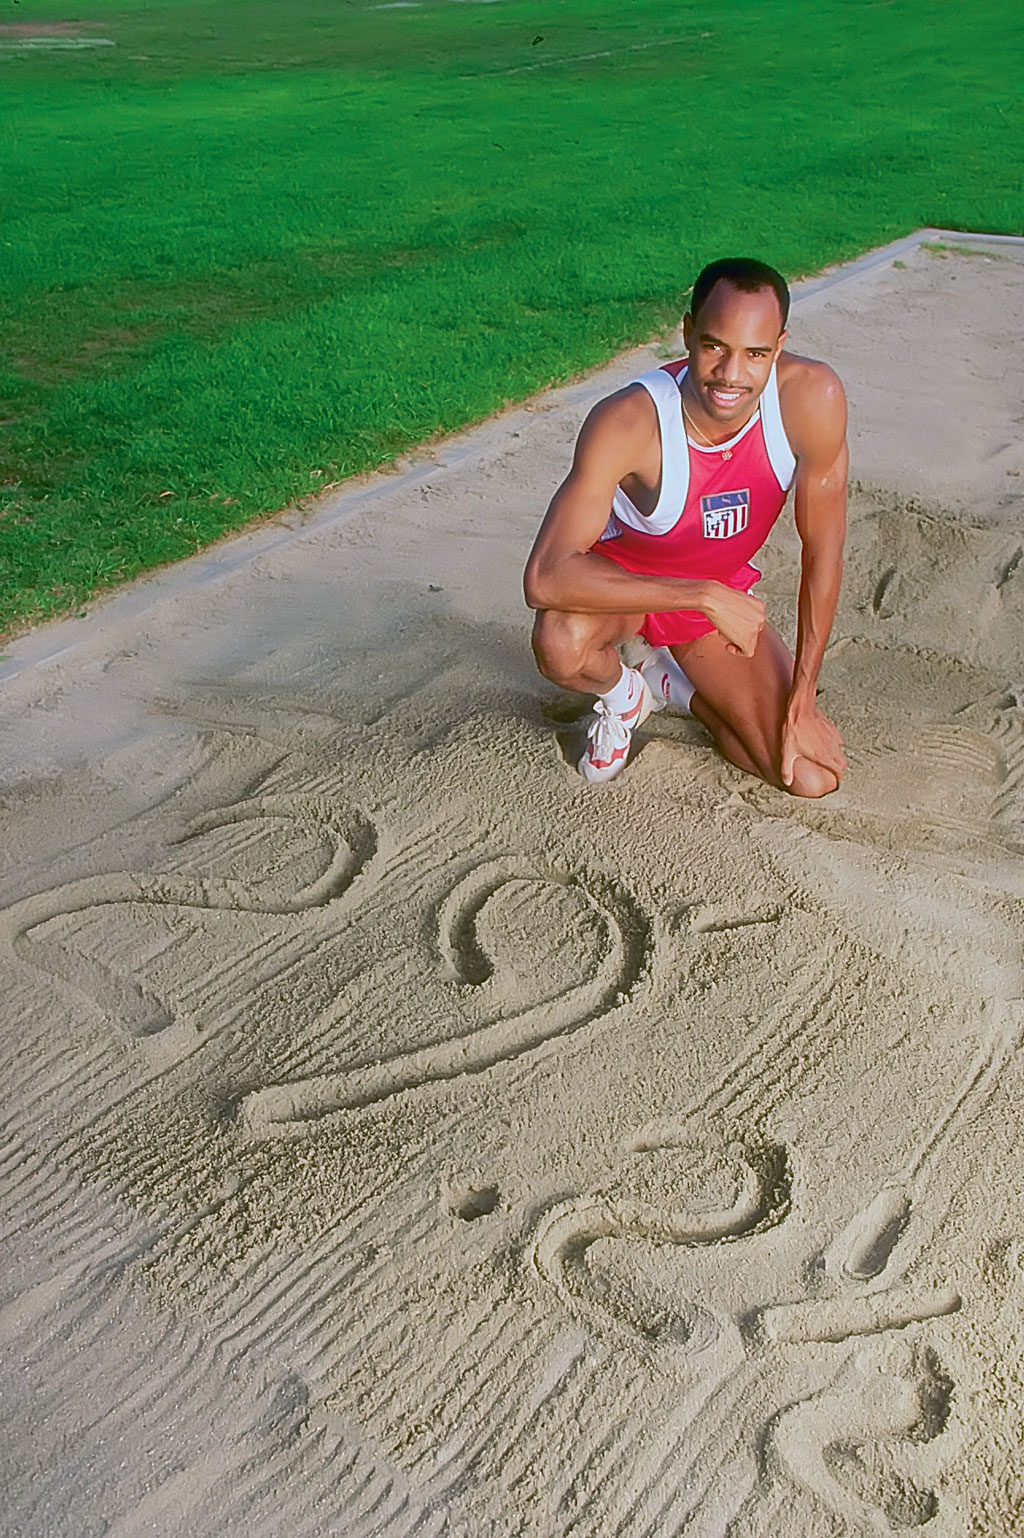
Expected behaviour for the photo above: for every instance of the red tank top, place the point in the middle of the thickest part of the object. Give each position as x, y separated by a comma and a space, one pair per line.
716, 507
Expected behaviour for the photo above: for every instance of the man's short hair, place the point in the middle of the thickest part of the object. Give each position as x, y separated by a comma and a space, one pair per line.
744, 273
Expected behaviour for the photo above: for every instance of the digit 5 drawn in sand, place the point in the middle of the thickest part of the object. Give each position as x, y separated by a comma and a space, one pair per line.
474, 926
347, 843
558, 1252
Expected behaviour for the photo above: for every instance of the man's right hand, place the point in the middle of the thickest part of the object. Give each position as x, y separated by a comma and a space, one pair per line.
738, 618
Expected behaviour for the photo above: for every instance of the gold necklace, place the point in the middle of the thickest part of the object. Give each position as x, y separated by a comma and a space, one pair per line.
725, 453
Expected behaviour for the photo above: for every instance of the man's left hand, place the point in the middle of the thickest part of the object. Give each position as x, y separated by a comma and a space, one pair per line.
808, 733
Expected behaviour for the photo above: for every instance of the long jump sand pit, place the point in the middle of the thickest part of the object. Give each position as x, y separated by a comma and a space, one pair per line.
402, 1137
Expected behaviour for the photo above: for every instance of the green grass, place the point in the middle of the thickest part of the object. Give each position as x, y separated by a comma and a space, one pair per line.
256, 247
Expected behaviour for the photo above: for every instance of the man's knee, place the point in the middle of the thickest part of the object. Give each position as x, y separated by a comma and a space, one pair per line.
562, 644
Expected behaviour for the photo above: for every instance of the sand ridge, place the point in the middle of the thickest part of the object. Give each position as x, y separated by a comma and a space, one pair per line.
404, 1138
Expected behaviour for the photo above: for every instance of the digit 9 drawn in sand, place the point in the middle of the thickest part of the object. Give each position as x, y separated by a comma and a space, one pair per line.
503, 933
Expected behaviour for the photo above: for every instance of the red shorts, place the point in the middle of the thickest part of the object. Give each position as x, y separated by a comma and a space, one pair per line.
675, 627
678, 626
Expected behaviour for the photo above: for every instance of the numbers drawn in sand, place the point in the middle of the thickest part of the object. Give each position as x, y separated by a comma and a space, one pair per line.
505, 995
851, 1446
504, 931
684, 1262
761, 1186
522, 953
757, 1179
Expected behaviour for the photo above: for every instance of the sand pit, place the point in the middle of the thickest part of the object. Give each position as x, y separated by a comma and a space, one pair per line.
401, 1137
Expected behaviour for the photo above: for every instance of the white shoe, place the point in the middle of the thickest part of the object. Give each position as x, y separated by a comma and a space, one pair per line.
609, 735
667, 681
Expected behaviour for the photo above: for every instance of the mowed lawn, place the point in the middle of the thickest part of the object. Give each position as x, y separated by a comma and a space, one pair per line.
252, 247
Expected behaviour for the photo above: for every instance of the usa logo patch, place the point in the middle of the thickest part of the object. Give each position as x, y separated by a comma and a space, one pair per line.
725, 514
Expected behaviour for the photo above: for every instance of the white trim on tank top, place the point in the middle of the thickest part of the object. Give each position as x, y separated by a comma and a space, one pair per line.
675, 465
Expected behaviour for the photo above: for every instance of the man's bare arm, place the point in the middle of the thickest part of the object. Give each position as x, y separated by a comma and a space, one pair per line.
816, 423
619, 435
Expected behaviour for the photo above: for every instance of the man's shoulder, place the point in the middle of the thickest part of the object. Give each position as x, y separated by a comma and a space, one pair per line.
812, 402
618, 435
808, 373
806, 381
630, 410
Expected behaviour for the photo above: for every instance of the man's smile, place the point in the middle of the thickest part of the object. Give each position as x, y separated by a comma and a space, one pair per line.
724, 395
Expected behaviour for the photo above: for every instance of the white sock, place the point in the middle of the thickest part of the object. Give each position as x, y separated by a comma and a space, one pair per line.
621, 697
667, 680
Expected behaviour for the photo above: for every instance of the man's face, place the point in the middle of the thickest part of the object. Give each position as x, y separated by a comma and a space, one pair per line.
732, 344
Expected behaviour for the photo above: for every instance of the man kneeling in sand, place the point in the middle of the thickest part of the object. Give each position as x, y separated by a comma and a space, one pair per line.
695, 461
